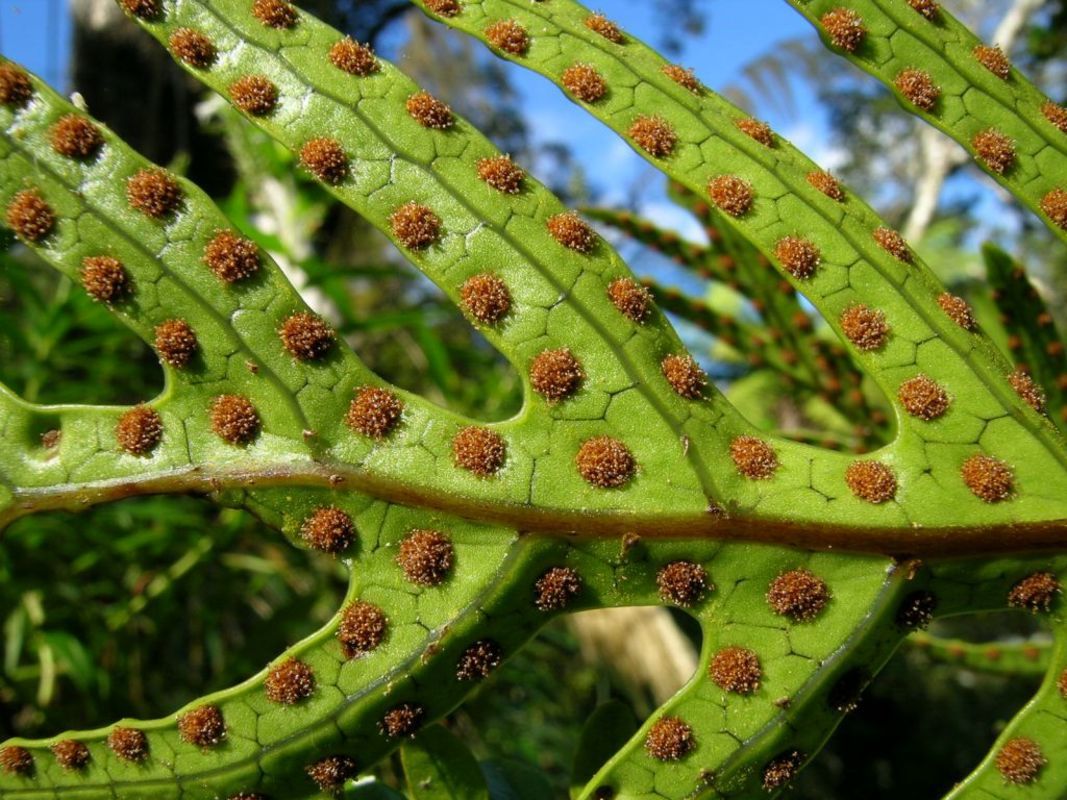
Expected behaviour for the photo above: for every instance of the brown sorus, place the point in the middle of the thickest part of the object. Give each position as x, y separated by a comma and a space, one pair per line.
15, 760
479, 660
633, 300
274, 13
731, 194
15, 86
29, 216
289, 682
685, 78
845, 28
918, 87
994, 60
354, 57
361, 629
202, 726
374, 412
827, 184
306, 336
139, 430
736, 669
129, 744
669, 739
70, 754
325, 158
916, 611
584, 82
403, 720
1036, 592
430, 112
145, 9
74, 136
479, 450
865, 327
330, 773
328, 529
572, 232
872, 481
234, 419
994, 149
426, 557
153, 192
799, 256
486, 298
176, 342
556, 588
1054, 204
556, 374
231, 257
415, 225
254, 94
193, 47
782, 770
1020, 760
509, 36
1027, 388
598, 23
683, 583
502, 174
798, 594
653, 134
753, 457
1056, 114
444, 8
105, 278
928, 8
893, 243
988, 478
923, 397
684, 375
958, 310
605, 462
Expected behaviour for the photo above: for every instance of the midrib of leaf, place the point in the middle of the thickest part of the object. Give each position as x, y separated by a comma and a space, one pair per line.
988, 366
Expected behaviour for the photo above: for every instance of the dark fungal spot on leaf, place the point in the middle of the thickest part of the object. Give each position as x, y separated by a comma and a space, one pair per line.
330, 773
918, 87
556, 588
289, 682
1020, 760
736, 669
325, 158
71, 755
753, 457
15, 86
361, 629
328, 529
556, 374
426, 557
430, 112
923, 397
669, 739
827, 184
15, 760
799, 256
74, 136
872, 481
958, 310
865, 327
683, 583
274, 13
782, 770
105, 279
154, 193
479, 451
231, 257
29, 216
129, 744
502, 174
509, 36
633, 300
374, 412
1054, 204
254, 94
685, 78
605, 462
415, 225
479, 660
731, 194
653, 134
202, 726
571, 231
306, 336
684, 375
1035, 593
486, 298
354, 57
193, 47
994, 149
994, 60
145, 9
584, 82
845, 28
234, 419
1027, 389
916, 611
798, 594
176, 342
139, 430
403, 720
988, 478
